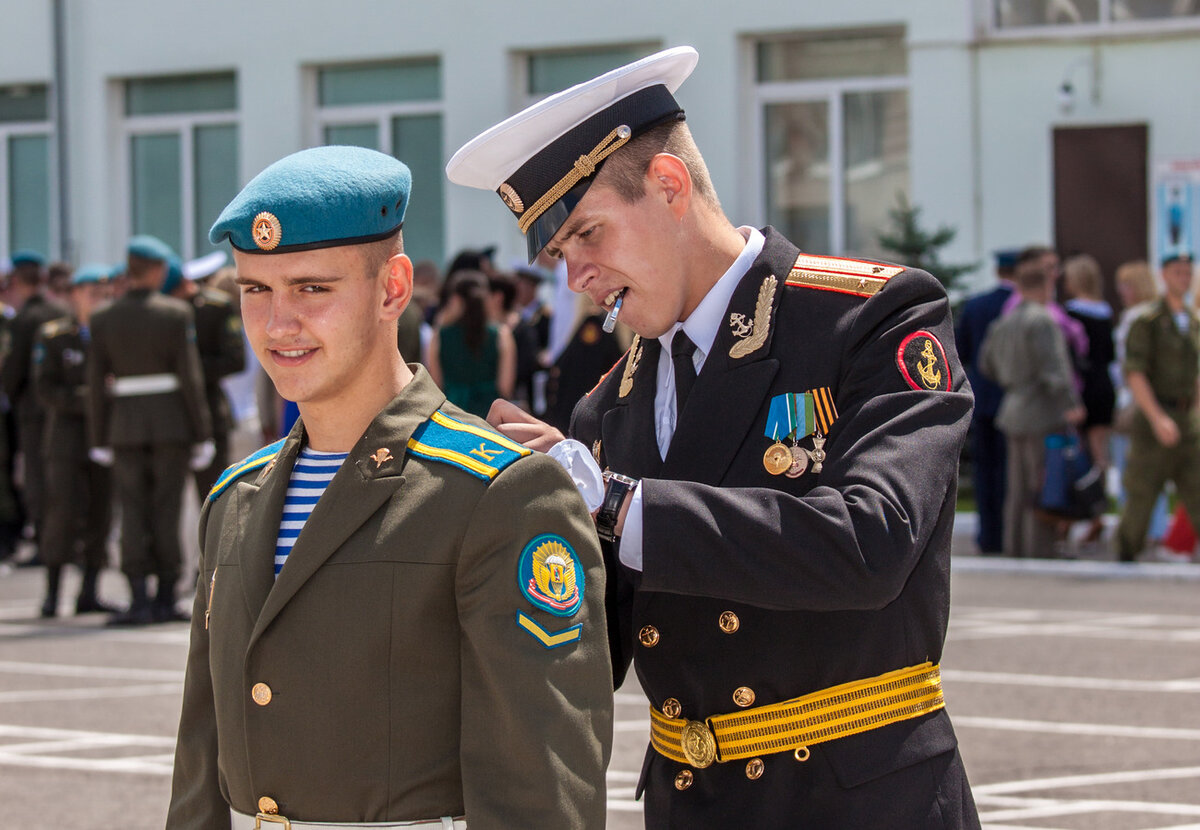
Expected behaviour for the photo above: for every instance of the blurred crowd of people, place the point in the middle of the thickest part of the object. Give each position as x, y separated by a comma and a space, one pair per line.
481, 331
1048, 355
485, 332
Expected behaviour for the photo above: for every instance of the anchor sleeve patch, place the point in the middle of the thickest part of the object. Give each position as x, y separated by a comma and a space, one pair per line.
922, 361
551, 576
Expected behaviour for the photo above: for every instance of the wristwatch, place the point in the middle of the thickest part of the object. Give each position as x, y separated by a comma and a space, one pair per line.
616, 488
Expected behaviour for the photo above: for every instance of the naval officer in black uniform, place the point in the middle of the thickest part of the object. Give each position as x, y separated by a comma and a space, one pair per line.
780, 447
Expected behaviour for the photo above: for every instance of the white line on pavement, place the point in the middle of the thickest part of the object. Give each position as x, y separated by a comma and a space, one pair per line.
1090, 780
1190, 685
1095, 729
66, 670
51, 734
1081, 806
91, 693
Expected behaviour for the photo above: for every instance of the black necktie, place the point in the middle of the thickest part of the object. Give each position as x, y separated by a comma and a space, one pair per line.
682, 348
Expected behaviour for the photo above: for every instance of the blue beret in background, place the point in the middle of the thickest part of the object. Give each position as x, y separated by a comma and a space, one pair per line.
91, 273
317, 198
27, 258
150, 247
1007, 258
174, 275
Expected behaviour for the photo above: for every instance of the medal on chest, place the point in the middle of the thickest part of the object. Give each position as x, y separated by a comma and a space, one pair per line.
793, 417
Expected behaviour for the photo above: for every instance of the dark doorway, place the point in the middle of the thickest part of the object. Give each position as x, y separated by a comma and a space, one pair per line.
1100, 198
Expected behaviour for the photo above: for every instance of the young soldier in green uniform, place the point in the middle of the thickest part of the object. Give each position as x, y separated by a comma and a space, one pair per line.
78, 505
782, 443
400, 617
27, 284
1162, 362
149, 420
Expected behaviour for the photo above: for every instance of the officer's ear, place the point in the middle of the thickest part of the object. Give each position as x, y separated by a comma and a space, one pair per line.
668, 179
398, 286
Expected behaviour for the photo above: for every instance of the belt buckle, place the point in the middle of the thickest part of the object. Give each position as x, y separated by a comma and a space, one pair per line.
272, 819
698, 743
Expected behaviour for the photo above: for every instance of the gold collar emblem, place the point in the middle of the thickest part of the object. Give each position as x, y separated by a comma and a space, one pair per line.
755, 331
380, 456
635, 355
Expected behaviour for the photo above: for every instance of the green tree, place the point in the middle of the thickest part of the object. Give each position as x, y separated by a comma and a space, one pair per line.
918, 248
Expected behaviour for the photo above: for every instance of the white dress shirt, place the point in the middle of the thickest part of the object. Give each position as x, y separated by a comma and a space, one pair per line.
701, 326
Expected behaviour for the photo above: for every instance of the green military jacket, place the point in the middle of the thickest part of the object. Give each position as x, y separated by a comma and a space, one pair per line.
16, 352
145, 333
222, 352
60, 384
435, 644
1169, 358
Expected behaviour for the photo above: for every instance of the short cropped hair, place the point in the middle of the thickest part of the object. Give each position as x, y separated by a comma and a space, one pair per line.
1033, 252
1082, 274
625, 170
377, 253
1138, 276
1030, 276
138, 266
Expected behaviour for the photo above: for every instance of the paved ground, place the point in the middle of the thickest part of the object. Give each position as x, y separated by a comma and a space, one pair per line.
1075, 687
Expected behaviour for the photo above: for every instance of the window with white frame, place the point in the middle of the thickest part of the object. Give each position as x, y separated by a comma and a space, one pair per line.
27, 199
1091, 14
396, 108
181, 153
545, 72
831, 135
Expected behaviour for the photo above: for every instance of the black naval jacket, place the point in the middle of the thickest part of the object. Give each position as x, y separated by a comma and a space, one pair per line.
834, 576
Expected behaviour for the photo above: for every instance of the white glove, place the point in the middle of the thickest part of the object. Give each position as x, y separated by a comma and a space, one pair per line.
583, 469
101, 455
203, 454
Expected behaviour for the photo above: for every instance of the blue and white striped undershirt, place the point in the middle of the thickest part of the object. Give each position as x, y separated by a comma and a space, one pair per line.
310, 477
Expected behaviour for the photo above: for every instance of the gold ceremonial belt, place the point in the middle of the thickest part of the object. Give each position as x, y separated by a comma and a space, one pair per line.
836, 712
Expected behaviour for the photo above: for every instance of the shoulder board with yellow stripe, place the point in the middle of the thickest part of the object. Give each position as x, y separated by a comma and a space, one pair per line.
252, 462
477, 450
847, 276
56, 327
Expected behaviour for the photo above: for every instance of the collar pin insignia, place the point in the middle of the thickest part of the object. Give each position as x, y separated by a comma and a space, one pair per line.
755, 332
380, 456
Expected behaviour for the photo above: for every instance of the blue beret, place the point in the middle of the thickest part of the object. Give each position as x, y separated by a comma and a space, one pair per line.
91, 273
1177, 256
174, 275
150, 247
317, 198
1008, 258
28, 258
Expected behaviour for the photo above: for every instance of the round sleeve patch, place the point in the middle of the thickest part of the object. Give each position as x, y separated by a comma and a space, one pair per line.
551, 576
922, 362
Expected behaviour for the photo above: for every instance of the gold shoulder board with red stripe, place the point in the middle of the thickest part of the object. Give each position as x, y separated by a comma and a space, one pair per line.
847, 276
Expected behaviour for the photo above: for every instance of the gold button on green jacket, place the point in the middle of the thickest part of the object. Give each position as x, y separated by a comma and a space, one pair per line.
434, 645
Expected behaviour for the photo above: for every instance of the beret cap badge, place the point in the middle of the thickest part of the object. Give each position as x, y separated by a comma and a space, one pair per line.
511, 199
266, 231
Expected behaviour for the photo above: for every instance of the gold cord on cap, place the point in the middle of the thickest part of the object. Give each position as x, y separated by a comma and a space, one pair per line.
584, 166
